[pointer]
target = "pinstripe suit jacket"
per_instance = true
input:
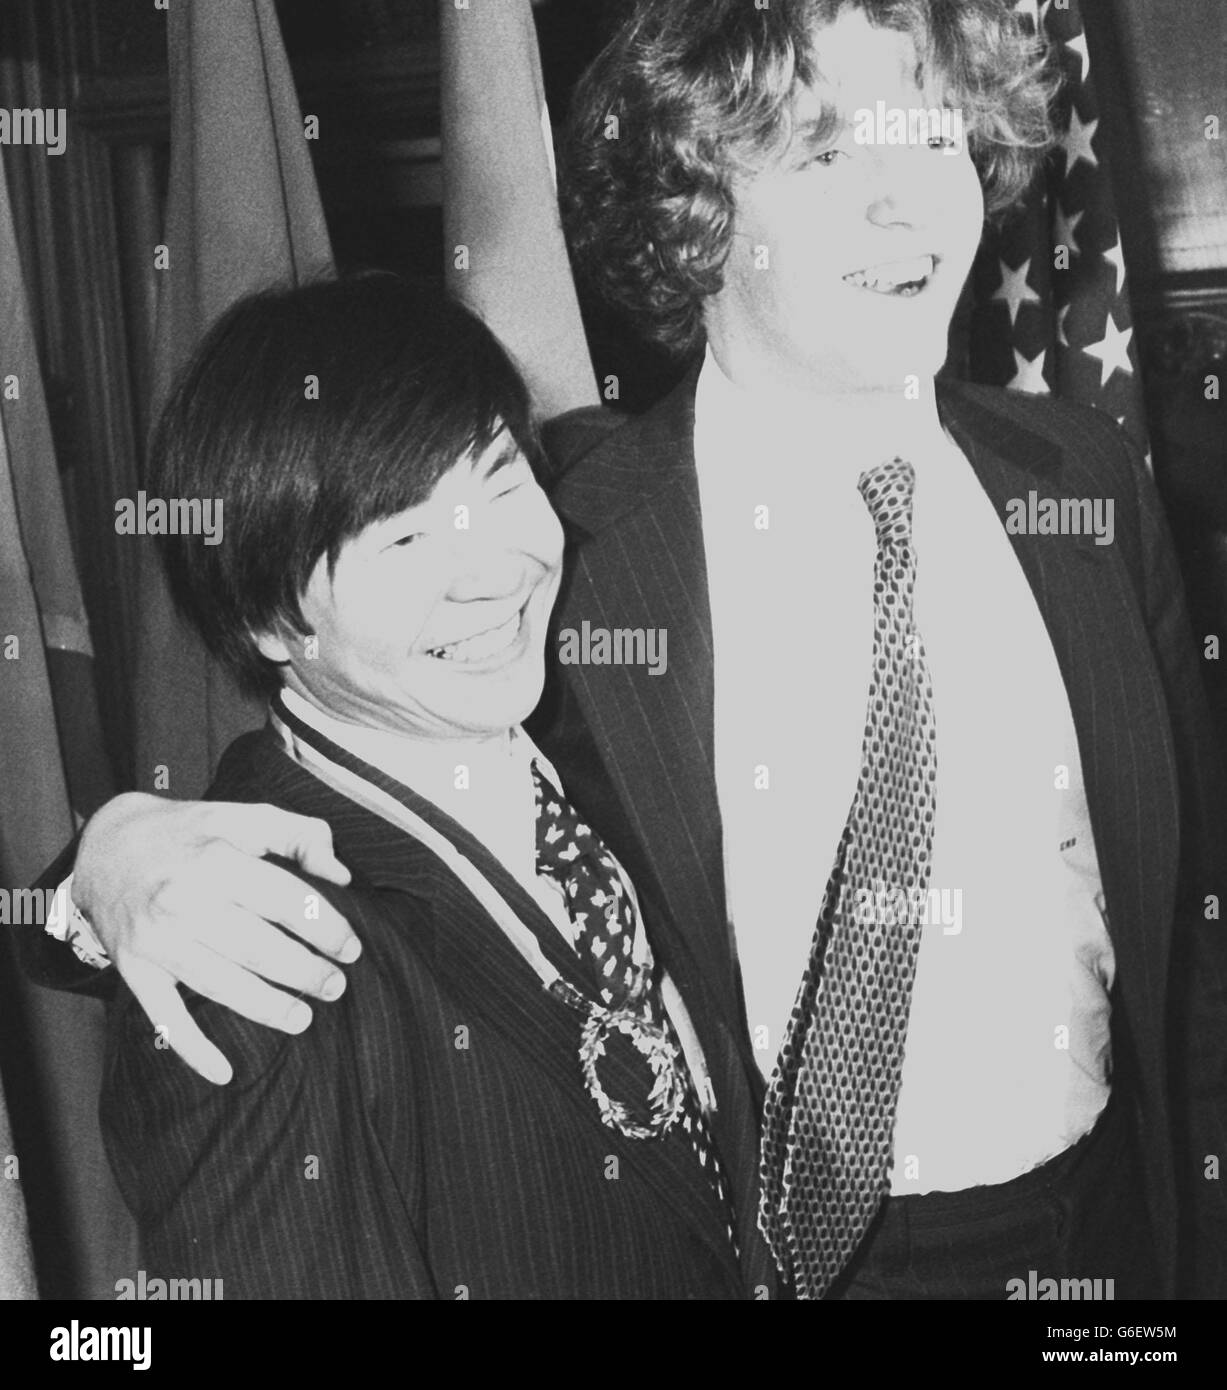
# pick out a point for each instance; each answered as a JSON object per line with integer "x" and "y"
{"x": 429, "y": 1136}
{"x": 1115, "y": 614}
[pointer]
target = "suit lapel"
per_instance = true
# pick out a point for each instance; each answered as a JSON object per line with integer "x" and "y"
{"x": 1089, "y": 606}
{"x": 479, "y": 965}
{"x": 638, "y": 749}
{"x": 633, "y": 510}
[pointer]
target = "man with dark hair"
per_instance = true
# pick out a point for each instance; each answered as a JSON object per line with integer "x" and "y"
{"x": 514, "y": 1041}
{"x": 975, "y": 960}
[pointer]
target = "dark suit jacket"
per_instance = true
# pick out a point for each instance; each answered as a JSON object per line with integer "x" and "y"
{"x": 1116, "y": 618}
{"x": 429, "y": 1135}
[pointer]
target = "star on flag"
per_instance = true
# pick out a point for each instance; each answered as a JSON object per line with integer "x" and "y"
{"x": 1015, "y": 289}
{"x": 1112, "y": 350}
{"x": 1078, "y": 143}
{"x": 1029, "y": 374}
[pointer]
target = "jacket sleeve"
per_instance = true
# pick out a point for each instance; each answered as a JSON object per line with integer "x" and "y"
{"x": 1198, "y": 985}
{"x": 276, "y": 1184}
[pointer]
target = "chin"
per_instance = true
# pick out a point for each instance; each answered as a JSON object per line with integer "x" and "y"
{"x": 519, "y": 697}
{"x": 887, "y": 367}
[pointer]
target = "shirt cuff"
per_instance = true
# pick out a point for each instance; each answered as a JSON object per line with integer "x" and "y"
{"x": 66, "y": 922}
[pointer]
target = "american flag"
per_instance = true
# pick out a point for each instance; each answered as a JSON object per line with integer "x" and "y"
{"x": 1051, "y": 307}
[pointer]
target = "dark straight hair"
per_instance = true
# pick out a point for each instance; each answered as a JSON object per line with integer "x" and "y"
{"x": 312, "y": 413}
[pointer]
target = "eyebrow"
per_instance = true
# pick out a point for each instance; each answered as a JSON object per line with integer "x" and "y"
{"x": 510, "y": 452}
{"x": 816, "y": 131}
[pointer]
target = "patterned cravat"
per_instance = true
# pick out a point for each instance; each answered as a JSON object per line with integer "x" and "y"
{"x": 830, "y": 1109}
{"x": 605, "y": 921}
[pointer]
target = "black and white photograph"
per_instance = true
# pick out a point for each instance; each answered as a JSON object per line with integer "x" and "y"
{"x": 612, "y": 673}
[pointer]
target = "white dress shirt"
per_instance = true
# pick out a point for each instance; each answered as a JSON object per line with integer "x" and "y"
{"x": 1007, "y": 1055}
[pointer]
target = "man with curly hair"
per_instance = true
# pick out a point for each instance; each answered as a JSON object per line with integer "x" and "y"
{"x": 961, "y": 930}
{"x": 740, "y": 211}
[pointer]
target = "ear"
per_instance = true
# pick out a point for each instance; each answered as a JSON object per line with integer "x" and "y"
{"x": 272, "y": 646}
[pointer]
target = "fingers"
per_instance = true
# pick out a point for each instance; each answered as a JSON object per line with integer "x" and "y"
{"x": 252, "y": 943}
{"x": 263, "y": 890}
{"x": 276, "y": 895}
{"x": 224, "y": 982}
{"x": 235, "y": 988}
{"x": 154, "y": 990}
{"x": 268, "y": 830}
{"x": 310, "y": 844}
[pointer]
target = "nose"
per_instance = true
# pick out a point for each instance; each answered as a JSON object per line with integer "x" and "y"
{"x": 485, "y": 570}
{"x": 901, "y": 189}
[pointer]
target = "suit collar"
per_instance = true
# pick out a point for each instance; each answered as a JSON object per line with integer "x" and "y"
{"x": 980, "y": 426}
{"x": 650, "y": 453}
{"x": 632, "y": 508}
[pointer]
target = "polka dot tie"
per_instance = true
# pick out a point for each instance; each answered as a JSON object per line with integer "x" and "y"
{"x": 604, "y": 917}
{"x": 830, "y": 1109}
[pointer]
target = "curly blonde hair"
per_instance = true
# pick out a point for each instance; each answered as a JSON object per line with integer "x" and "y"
{"x": 701, "y": 89}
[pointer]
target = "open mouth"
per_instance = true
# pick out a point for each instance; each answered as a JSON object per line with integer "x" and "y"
{"x": 904, "y": 279}
{"x": 482, "y": 646}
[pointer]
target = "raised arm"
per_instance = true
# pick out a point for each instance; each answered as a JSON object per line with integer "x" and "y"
{"x": 505, "y": 253}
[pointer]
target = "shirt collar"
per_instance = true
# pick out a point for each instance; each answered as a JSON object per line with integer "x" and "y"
{"x": 426, "y": 766}
{"x": 758, "y": 432}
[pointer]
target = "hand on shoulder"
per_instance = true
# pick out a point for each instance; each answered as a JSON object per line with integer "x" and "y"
{"x": 181, "y": 893}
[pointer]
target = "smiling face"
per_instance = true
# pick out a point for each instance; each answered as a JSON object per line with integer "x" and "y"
{"x": 848, "y": 258}
{"x": 433, "y": 622}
